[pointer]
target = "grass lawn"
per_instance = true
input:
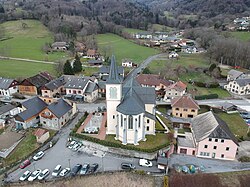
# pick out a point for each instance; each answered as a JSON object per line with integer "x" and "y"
{"x": 152, "y": 140}
{"x": 243, "y": 36}
{"x": 25, "y": 147}
{"x": 166, "y": 121}
{"x": 158, "y": 126}
{"x": 162, "y": 108}
{"x": 236, "y": 124}
{"x": 123, "y": 49}
{"x": 132, "y": 31}
{"x": 27, "y": 42}
{"x": 161, "y": 28}
{"x": 14, "y": 69}
{"x": 88, "y": 71}
{"x": 1, "y": 130}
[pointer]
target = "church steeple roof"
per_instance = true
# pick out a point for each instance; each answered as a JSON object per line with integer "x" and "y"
{"x": 113, "y": 74}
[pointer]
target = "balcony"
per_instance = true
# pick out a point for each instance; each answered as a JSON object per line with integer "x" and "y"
{"x": 47, "y": 116}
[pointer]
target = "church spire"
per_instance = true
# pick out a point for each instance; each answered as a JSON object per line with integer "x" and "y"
{"x": 113, "y": 73}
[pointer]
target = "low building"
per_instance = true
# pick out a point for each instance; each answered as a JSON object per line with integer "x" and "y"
{"x": 59, "y": 46}
{"x": 94, "y": 62}
{"x": 42, "y": 135}
{"x": 33, "y": 85}
{"x": 143, "y": 35}
{"x": 91, "y": 53}
{"x": 8, "y": 87}
{"x": 210, "y": 138}
{"x": 184, "y": 107}
{"x": 162, "y": 164}
{"x": 7, "y": 111}
{"x": 128, "y": 64}
{"x": 56, "y": 115}
{"x": 240, "y": 86}
{"x": 173, "y": 55}
{"x": 175, "y": 90}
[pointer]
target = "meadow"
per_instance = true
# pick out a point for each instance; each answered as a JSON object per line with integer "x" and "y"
{"x": 123, "y": 49}
{"x": 243, "y": 36}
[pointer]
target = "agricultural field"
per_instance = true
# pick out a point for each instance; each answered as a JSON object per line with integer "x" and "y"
{"x": 25, "y": 39}
{"x": 243, "y": 36}
{"x": 123, "y": 49}
{"x": 15, "y": 69}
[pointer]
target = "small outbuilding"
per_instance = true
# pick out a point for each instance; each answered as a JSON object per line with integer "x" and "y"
{"x": 41, "y": 135}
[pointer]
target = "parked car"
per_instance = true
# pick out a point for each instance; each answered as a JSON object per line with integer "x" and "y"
{"x": 25, "y": 175}
{"x": 34, "y": 175}
{"x": 57, "y": 170}
{"x": 245, "y": 116}
{"x": 43, "y": 174}
{"x": 93, "y": 168}
{"x": 64, "y": 172}
{"x": 38, "y": 156}
{"x": 144, "y": 162}
{"x": 75, "y": 169}
{"x": 76, "y": 147}
{"x": 71, "y": 144}
{"x": 84, "y": 169}
{"x": 24, "y": 164}
{"x": 127, "y": 166}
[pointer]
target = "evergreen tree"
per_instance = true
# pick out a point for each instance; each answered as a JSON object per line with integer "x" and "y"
{"x": 67, "y": 69}
{"x": 77, "y": 65}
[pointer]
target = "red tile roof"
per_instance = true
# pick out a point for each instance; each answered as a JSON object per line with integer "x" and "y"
{"x": 91, "y": 52}
{"x": 184, "y": 101}
{"x": 152, "y": 80}
{"x": 39, "y": 132}
{"x": 179, "y": 86}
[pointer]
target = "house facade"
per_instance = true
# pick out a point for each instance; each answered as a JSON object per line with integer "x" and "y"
{"x": 8, "y": 87}
{"x": 240, "y": 86}
{"x": 184, "y": 107}
{"x": 130, "y": 108}
{"x": 175, "y": 90}
{"x": 210, "y": 138}
{"x": 54, "y": 88}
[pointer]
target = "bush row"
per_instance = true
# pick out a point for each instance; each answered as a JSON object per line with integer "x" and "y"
{"x": 117, "y": 145}
{"x": 81, "y": 120}
{"x": 206, "y": 85}
{"x": 210, "y": 96}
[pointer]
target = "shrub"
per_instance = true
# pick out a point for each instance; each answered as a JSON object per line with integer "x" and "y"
{"x": 165, "y": 181}
{"x": 18, "y": 96}
{"x": 244, "y": 159}
{"x": 140, "y": 172}
{"x": 210, "y": 96}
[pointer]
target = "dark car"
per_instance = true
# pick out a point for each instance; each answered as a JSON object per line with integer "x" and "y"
{"x": 24, "y": 164}
{"x": 93, "y": 168}
{"x": 75, "y": 169}
{"x": 127, "y": 166}
{"x": 84, "y": 169}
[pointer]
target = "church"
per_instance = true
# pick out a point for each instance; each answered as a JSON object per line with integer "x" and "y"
{"x": 130, "y": 108}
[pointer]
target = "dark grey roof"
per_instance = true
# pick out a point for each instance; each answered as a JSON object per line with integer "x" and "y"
{"x": 59, "y": 108}
{"x": 91, "y": 87}
{"x": 186, "y": 141}
{"x": 243, "y": 82}
{"x": 135, "y": 97}
{"x": 5, "y": 83}
{"x": 6, "y": 108}
{"x": 33, "y": 107}
{"x": 38, "y": 80}
{"x": 234, "y": 74}
{"x": 210, "y": 125}
{"x": 93, "y": 61}
{"x": 162, "y": 161}
{"x": 56, "y": 83}
{"x": 113, "y": 74}
{"x": 106, "y": 70}
{"x": 102, "y": 84}
{"x": 180, "y": 120}
{"x": 76, "y": 82}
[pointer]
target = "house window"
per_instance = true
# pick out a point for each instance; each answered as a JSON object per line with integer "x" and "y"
{"x": 69, "y": 91}
{"x": 216, "y": 140}
{"x": 215, "y": 147}
{"x": 222, "y": 141}
{"x": 130, "y": 122}
{"x": 176, "y": 114}
{"x": 113, "y": 116}
{"x": 147, "y": 120}
{"x": 210, "y": 139}
{"x": 46, "y": 91}
{"x": 222, "y": 155}
{"x": 44, "y": 122}
{"x": 201, "y": 153}
{"x": 147, "y": 128}
{"x": 79, "y": 92}
{"x": 185, "y": 109}
{"x": 121, "y": 120}
{"x": 177, "y": 109}
{"x": 139, "y": 124}
{"x": 227, "y": 148}
{"x": 205, "y": 146}
{"x": 192, "y": 110}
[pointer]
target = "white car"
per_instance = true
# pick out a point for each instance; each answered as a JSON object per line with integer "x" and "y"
{"x": 64, "y": 172}
{"x": 71, "y": 144}
{"x": 25, "y": 175}
{"x": 38, "y": 156}
{"x": 56, "y": 171}
{"x": 43, "y": 174}
{"x": 34, "y": 175}
{"x": 76, "y": 147}
{"x": 144, "y": 162}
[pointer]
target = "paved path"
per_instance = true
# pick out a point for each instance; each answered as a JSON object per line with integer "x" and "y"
{"x": 27, "y": 60}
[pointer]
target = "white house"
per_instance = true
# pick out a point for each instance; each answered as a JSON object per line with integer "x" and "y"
{"x": 130, "y": 108}
{"x": 239, "y": 86}
{"x": 8, "y": 86}
{"x": 143, "y": 35}
{"x": 173, "y": 55}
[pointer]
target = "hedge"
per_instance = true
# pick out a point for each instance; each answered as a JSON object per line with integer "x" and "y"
{"x": 117, "y": 145}
{"x": 206, "y": 85}
{"x": 81, "y": 120}
{"x": 210, "y": 96}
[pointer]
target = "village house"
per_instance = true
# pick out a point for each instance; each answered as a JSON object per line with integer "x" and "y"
{"x": 42, "y": 135}
{"x": 210, "y": 138}
{"x": 175, "y": 90}
{"x": 91, "y": 53}
{"x": 130, "y": 108}
{"x": 103, "y": 72}
{"x": 54, "y": 88}
{"x": 173, "y": 55}
{"x": 129, "y": 64}
{"x": 56, "y": 115}
{"x": 8, "y": 110}
{"x": 81, "y": 88}
{"x": 29, "y": 117}
{"x": 59, "y": 46}
{"x": 143, "y": 35}
{"x": 8, "y": 87}
{"x": 184, "y": 107}
{"x": 240, "y": 86}
{"x": 234, "y": 74}
{"x": 80, "y": 48}
{"x": 33, "y": 85}
{"x": 94, "y": 62}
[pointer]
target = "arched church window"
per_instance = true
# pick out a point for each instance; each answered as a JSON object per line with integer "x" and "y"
{"x": 130, "y": 122}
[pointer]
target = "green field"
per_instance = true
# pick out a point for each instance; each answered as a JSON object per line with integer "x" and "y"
{"x": 132, "y": 31}
{"x": 243, "y": 36}
{"x": 123, "y": 49}
{"x": 14, "y": 69}
{"x": 27, "y": 42}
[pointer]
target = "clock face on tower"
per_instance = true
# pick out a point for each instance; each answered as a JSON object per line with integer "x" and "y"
{"x": 113, "y": 93}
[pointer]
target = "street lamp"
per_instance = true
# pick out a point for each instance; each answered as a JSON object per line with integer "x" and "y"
{"x": 69, "y": 162}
